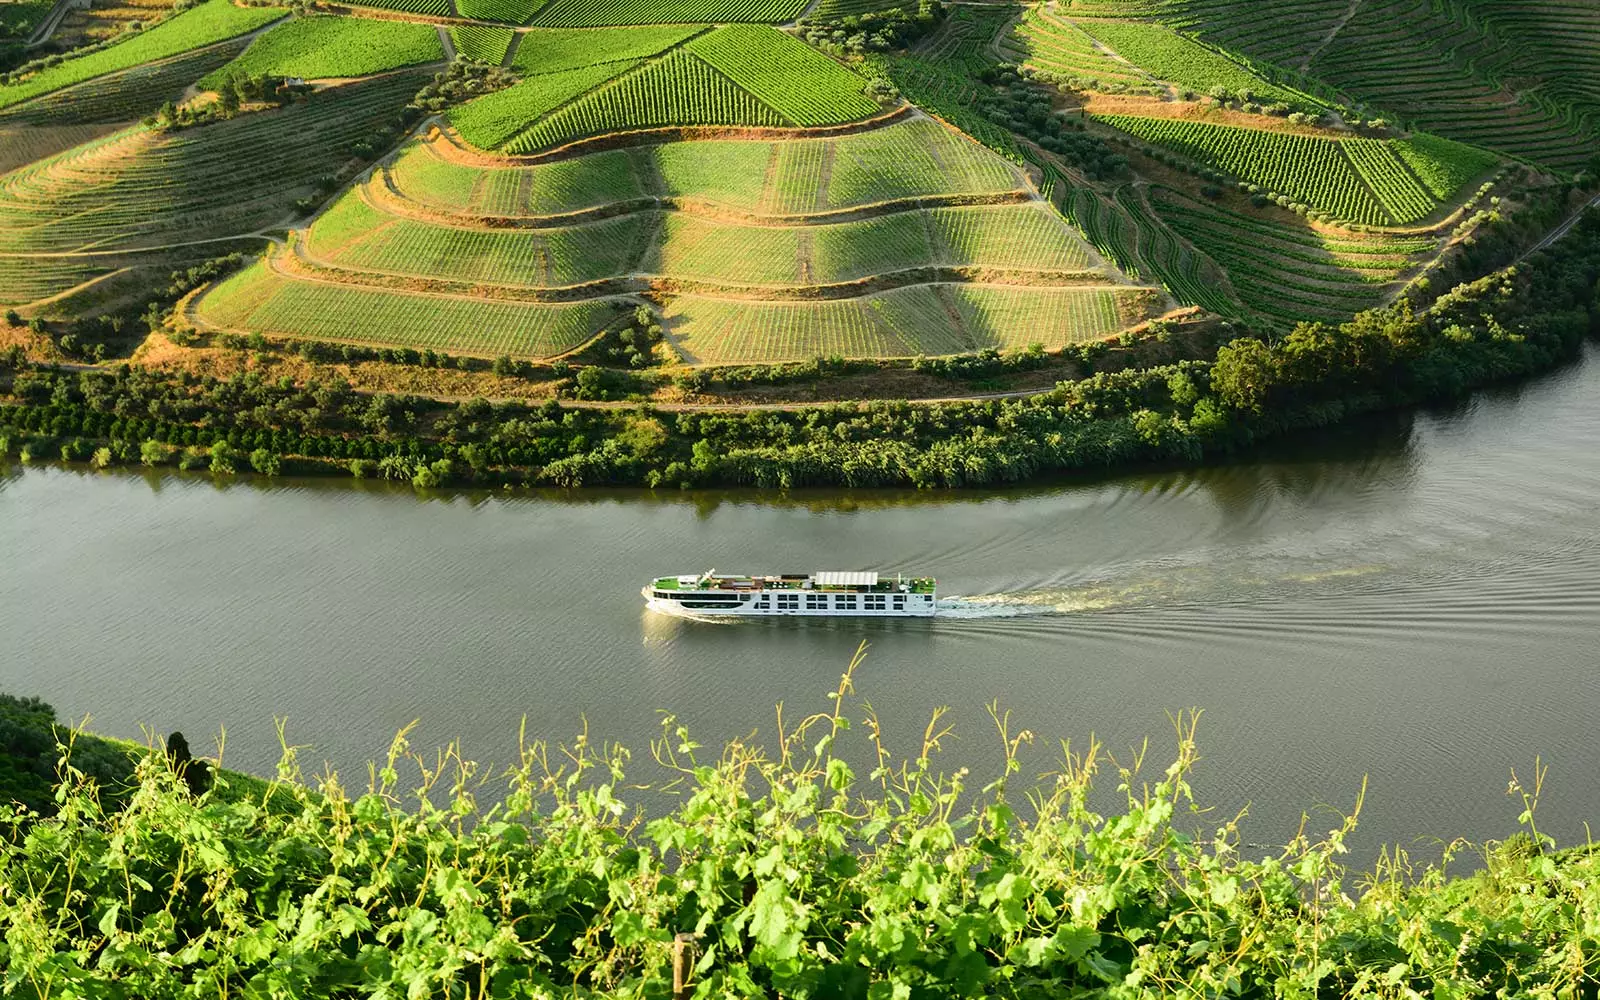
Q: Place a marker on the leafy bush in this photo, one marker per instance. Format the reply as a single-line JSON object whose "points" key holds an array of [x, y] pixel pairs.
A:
{"points": [[776, 872]]}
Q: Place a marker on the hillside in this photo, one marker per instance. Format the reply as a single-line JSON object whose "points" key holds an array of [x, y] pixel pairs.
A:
{"points": [[668, 186]]}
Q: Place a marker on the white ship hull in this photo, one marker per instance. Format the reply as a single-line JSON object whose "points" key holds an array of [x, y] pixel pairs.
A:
{"points": [[801, 604]]}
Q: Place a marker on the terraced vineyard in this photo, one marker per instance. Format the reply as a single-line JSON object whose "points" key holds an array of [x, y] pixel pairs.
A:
{"points": [[1361, 180], [1511, 76], [1169, 56], [591, 82], [910, 159], [926, 319], [1047, 43], [721, 225], [137, 189], [124, 96], [259, 300], [598, 13], [211, 22], [486, 45], [1291, 273], [932, 181], [320, 47]]}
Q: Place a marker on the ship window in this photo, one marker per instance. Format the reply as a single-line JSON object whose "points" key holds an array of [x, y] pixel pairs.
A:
{"points": [[899, 602], [848, 603]]}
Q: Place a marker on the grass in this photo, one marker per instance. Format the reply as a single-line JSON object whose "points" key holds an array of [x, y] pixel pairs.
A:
{"points": [[320, 47], [213, 21], [597, 13], [787, 75], [257, 299], [486, 45]]}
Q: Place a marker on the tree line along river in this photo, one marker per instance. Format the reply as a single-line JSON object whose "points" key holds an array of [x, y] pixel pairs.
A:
{"points": [[1416, 599]]}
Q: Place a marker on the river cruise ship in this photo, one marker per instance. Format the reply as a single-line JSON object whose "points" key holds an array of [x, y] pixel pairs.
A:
{"points": [[824, 594]]}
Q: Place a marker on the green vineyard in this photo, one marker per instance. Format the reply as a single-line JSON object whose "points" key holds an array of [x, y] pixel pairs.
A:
{"points": [[1507, 75], [259, 300], [358, 236], [924, 320], [1045, 43], [509, 11], [491, 121], [678, 89], [1368, 181], [911, 159], [124, 96], [875, 180], [800, 83], [319, 47], [1168, 56], [599, 13], [1288, 273], [735, 75], [486, 45], [551, 50], [211, 22], [137, 189]]}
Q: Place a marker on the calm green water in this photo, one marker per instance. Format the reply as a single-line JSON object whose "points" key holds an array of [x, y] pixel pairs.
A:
{"points": [[1418, 601]]}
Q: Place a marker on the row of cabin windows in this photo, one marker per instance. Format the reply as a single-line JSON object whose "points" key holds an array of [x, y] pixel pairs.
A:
{"points": [[791, 602]]}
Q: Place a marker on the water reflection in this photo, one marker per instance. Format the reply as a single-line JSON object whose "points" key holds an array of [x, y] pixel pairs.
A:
{"points": [[1413, 598]]}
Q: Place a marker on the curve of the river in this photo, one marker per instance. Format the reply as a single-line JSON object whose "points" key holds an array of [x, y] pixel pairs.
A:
{"points": [[1416, 599]]}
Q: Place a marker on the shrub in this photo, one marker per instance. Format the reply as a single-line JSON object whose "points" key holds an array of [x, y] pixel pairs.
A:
{"points": [[266, 462], [787, 874], [154, 453]]}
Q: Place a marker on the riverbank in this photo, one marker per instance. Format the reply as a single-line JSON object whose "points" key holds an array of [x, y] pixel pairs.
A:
{"points": [[763, 872], [1506, 326]]}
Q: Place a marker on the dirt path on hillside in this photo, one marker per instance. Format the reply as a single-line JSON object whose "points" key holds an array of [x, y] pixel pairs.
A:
{"points": [[1327, 40]]}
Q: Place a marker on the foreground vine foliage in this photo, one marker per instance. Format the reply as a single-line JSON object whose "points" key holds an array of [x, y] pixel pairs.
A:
{"points": [[799, 878]]}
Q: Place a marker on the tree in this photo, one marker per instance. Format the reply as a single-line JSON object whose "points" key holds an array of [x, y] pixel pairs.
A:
{"points": [[1243, 375]]}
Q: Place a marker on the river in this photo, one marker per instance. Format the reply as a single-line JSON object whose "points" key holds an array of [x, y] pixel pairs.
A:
{"points": [[1416, 600]]}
